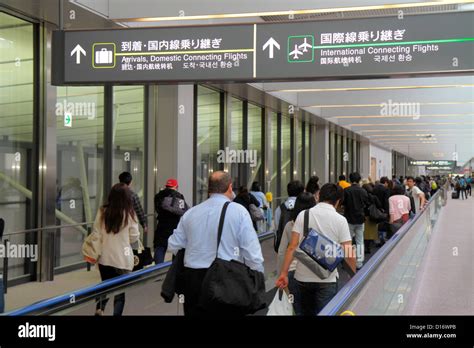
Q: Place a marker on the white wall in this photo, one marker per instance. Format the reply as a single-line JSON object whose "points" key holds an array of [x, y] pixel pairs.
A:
{"points": [[384, 161]]}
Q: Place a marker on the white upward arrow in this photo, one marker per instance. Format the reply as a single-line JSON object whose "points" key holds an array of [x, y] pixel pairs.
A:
{"points": [[77, 51], [271, 44]]}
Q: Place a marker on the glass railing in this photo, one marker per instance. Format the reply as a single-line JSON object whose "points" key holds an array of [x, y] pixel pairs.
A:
{"points": [[384, 286], [142, 292]]}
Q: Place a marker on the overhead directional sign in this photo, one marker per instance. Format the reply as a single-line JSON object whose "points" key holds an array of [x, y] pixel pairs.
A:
{"points": [[433, 163], [382, 46]]}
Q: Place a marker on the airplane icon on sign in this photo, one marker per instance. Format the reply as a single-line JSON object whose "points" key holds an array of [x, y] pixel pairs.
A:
{"points": [[296, 52], [305, 45]]}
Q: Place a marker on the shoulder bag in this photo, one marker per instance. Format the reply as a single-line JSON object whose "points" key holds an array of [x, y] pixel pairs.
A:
{"points": [[318, 252], [231, 286], [92, 247]]}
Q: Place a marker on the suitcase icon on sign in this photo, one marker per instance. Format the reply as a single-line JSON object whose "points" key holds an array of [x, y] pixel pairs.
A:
{"points": [[104, 56]]}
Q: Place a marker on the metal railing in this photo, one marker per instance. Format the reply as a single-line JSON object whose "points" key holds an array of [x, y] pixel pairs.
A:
{"points": [[63, 302], [344, 297], [85, 230]]}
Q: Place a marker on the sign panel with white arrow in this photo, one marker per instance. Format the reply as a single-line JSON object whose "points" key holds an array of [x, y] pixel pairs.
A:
{"points": [[307, 50], [78, 50], [271, 44]]}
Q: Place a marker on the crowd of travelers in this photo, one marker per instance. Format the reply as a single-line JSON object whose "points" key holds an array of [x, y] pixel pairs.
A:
{"points": [[218, 238]]}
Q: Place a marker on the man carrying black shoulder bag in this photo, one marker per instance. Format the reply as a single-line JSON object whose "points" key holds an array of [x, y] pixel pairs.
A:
{"points": [[222, 272], [231, 287]]}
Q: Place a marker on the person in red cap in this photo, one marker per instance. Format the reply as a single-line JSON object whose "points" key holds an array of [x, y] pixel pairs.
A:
{"points": [[170, 205], [172, 183]]}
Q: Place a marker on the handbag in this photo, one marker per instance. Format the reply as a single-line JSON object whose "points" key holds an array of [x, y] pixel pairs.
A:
{"points": [[92, 247], [376, 215], [318, 252], [231, 286], [141, 257]]}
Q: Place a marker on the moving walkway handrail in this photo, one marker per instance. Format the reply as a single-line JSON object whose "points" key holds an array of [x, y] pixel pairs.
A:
{"points": [[351, 289], [62, 302]]}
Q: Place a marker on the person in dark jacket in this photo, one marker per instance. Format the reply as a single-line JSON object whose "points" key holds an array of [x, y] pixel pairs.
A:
{"points": [[245, 198], [382, 192], [355, 201], [370, 227], [167, 221]]}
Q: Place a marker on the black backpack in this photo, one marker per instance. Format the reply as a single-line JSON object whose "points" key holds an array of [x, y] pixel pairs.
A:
{"points": [[412, 201], [174, 205], [285, 216]]}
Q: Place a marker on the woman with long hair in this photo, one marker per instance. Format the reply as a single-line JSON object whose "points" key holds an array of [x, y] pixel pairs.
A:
{"points": [[117, 224]]}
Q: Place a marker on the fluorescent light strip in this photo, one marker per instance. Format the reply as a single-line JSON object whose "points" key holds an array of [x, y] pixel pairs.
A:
{"points": [[405, 124], [417, 144], [407, 130], [395, 117], [354, 89], [378, 105], [292, 12], [384, 136]]}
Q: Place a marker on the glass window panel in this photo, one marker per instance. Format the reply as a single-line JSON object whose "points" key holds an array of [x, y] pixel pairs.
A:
{"points": [[350, 149], [332, 157], [128, 135], [16, 131], [208, 121], [298, 171], [345, 163], [236, 124], [79, 144], [236, 140], [285, 153], [307, 153], [273, 172], [338, 156], [254, 142]]}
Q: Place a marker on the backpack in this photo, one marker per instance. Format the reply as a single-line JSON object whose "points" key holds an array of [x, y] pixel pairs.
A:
{"points": [[434, 186], [255, 213], [174, 205], [412, 201], [285, 216]]}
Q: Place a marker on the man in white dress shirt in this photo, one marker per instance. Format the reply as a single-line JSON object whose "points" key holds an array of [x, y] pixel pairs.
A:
{"points": [[197, 233]]}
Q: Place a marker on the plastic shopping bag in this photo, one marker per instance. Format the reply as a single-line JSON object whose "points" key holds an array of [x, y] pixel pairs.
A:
{"points": [[281, 304]]}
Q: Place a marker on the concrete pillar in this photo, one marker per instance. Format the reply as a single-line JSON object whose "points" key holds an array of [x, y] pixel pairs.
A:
{"points": [[174, 137]]}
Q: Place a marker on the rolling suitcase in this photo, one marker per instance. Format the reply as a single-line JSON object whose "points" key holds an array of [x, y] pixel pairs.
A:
{"points": [[455, 195]]}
